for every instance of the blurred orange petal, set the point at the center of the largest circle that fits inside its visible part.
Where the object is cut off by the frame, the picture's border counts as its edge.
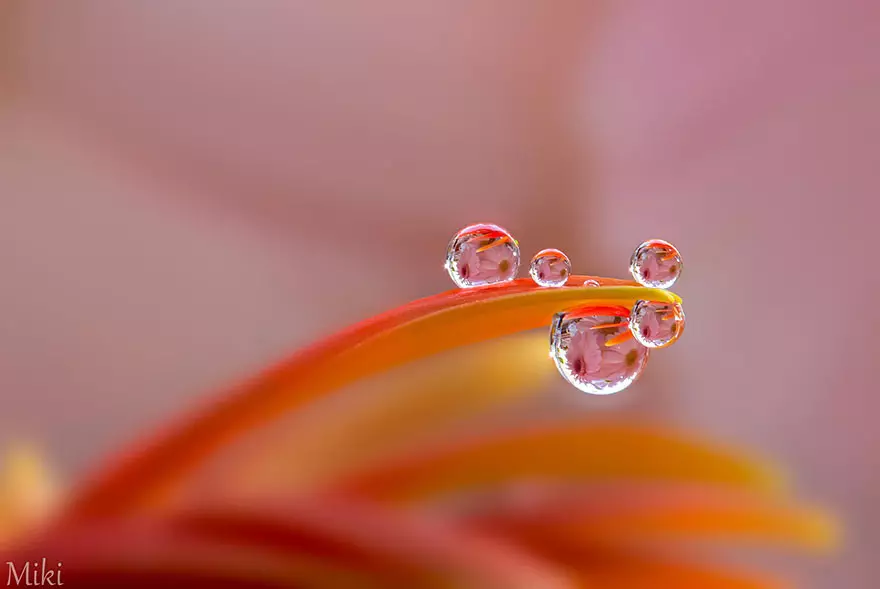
(627, 513)
(643, 570)
(137, 553)
(402, 549)
(568, 451)
(151, 472)
(405, 407)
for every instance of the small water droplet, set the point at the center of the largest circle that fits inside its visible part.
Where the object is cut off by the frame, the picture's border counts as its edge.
(482, 254)
(591, 282)
(656, 325)
(578, 346)
(550, 267)
(656, 263)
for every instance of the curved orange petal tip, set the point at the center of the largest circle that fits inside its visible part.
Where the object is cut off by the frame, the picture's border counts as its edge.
(495, 238)
(619, 338)
(563, 452)
(151, 472)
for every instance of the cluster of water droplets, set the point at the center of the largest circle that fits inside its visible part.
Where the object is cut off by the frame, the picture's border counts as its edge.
(598, 349)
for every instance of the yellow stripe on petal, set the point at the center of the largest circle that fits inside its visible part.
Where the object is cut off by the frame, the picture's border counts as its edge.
(567, 452)
(402, 408)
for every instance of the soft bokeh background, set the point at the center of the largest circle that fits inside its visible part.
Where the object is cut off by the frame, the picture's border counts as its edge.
(184, 186)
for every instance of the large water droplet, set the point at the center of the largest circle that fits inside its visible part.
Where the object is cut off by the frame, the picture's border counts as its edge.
(482, 254)
(656, 325)
(578, 345)
(656, 263)
(550, 267)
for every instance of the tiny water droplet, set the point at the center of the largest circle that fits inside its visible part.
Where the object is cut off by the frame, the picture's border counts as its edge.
(656, 263)
(550, 267)
(656, 325)
(578, 346)
(482, 254)
(591, 282)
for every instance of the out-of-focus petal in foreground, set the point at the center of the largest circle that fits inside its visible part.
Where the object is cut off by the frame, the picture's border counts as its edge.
(29, 493)
(332, 470)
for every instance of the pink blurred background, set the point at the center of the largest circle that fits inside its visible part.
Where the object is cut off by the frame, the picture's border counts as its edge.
(185, 186)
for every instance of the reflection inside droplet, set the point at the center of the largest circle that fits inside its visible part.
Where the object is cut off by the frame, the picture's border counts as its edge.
(595, 351)
(550, 267)
(656, 324)
(656, 263)
(482, 254)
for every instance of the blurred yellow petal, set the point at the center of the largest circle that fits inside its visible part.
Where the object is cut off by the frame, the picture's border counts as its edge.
(564, 451)
(152, 471)
(627, 513)
(29, 493)
(405, 407)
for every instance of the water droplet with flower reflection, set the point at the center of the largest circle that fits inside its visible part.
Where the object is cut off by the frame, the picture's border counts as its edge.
(656, 324)
(594, 350)
(550, 267)
(482, 254)
(656, 263)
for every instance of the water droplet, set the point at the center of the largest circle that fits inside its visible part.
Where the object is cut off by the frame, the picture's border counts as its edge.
(656, 263)
(578, 345)
(591, 282)
(550, 267)
(482, 254)
(656, 325)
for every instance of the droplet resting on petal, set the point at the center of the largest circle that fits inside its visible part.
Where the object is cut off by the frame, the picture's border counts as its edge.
(550, 267)
(578, 345)
(656, 263)
(591, 282)
(482, 254)
(655, 324)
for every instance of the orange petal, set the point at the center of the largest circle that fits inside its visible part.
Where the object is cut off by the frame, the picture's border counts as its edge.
(150, 472)
(357, 425)
(642, 570)
(501, 239)
(592, 310)
(563, 452)
(403, 549)
(621, 337)
(627, 513)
